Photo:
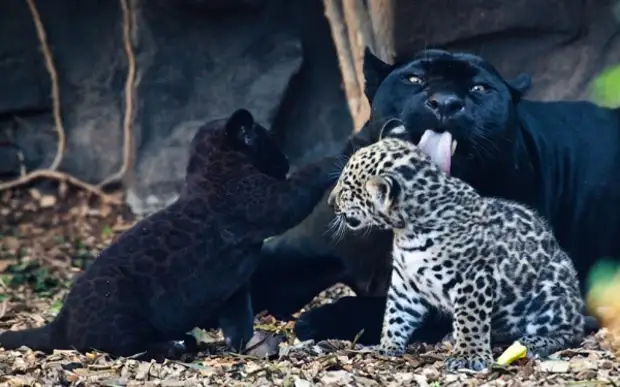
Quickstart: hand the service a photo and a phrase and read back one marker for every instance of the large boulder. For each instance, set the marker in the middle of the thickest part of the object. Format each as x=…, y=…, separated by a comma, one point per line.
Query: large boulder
x=564, y=44
x=195, y=60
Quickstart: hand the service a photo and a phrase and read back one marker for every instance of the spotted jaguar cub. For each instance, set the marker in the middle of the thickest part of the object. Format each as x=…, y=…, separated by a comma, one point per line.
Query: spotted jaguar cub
x=492, y=264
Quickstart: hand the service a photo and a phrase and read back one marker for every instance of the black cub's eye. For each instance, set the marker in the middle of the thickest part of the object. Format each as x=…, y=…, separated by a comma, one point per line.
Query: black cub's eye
x=414, y=79
x=478, y=88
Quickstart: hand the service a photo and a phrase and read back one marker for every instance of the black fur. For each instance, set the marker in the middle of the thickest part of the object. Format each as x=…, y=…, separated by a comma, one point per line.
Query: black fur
x=254, y=141
x=190, y=264
x=561, y=157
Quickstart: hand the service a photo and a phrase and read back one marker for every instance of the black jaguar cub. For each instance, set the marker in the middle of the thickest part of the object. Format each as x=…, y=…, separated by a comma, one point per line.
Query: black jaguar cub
x=189, y=264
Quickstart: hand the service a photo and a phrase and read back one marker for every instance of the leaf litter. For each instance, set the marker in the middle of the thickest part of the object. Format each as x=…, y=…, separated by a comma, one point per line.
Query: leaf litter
x=43, y=246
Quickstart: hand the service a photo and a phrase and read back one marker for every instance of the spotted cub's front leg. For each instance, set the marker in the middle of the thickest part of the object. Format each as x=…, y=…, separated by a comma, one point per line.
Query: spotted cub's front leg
x=473, y=305
x=404, y=313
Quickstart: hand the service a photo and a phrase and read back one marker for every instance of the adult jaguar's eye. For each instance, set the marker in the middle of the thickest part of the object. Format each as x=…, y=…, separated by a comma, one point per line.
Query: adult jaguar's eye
x=414, y=79
x=478, y=88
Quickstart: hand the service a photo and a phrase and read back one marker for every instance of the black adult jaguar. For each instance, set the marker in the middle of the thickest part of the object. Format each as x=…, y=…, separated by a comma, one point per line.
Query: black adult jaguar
x=560, y=157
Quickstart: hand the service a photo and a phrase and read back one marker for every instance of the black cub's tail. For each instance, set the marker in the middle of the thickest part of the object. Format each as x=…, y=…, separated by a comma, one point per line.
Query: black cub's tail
x=43, y=339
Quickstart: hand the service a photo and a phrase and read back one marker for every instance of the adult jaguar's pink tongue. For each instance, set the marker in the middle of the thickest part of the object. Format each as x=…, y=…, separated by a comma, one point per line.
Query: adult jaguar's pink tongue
x=439, y=147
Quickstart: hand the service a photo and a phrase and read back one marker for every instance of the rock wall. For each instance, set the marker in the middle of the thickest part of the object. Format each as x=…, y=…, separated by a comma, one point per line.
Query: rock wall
x=563, y=44
x=194, y=60
x=197, y=60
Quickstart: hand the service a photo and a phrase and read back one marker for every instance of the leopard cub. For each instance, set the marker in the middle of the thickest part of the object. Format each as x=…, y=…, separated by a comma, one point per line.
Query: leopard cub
x=492, y=264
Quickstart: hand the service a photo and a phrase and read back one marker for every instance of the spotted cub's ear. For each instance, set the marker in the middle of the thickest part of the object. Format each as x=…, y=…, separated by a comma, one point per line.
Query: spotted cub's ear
x=383, y=190
x=239, y=127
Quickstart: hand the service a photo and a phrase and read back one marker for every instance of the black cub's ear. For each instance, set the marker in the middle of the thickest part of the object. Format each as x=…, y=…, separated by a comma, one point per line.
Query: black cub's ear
x=375, y=71
x=383, y=190
x=239, y=126
x=520, y=85
x=394, y=128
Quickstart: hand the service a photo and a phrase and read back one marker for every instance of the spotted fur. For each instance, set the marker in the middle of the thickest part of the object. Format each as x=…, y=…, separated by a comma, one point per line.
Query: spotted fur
x=494, y=265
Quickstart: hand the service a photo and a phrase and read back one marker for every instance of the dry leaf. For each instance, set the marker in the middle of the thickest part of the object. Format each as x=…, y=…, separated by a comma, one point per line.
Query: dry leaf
x=50, y=238
x=554, y=366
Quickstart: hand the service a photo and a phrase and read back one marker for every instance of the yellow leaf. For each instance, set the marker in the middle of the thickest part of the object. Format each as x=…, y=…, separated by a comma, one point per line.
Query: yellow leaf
x=515, y=352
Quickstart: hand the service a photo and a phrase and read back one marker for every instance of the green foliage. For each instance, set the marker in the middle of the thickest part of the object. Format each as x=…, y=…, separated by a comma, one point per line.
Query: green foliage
x=34, y=275
x=606, y=87
x=107, y=231
x=82, y=257
x=55, y=307
x=602, y=274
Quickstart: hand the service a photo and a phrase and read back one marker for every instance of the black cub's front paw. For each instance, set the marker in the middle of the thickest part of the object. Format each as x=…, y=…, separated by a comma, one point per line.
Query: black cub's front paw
x=472, y=361
x=170, y=350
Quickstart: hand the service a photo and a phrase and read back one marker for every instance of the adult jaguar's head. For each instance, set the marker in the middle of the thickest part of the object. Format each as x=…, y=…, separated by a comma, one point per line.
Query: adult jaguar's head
x=456, y=105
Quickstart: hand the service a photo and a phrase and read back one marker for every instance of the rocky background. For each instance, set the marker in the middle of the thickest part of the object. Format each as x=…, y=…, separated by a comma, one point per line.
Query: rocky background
x=295, y=64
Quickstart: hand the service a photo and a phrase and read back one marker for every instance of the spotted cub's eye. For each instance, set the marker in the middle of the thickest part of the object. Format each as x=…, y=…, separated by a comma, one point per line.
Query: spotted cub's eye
x=414, y=79
x=478, y=88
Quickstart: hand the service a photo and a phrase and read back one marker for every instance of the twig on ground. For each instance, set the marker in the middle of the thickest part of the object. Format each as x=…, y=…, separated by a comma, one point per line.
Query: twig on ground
x=129, y=96
x=60, y=176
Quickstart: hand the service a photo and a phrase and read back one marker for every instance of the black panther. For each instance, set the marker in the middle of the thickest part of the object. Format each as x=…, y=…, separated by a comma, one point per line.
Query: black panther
x=561, y=158
x=189, y=264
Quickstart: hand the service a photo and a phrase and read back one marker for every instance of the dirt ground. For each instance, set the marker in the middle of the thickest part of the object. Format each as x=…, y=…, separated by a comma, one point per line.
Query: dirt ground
x=46, y=239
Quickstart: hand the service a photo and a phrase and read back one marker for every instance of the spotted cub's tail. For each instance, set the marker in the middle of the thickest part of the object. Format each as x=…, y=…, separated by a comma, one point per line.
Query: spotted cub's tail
x=43, y=339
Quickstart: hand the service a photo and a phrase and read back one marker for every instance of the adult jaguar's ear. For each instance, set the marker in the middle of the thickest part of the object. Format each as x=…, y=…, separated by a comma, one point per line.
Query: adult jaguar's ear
x=239, y=127
x=393, y=128
x=375, y=71
x=519, y=85
x=383, y=191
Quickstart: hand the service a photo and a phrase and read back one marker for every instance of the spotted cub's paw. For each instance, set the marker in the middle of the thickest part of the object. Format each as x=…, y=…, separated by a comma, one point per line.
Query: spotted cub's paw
x=389, y=350
x=476, y=362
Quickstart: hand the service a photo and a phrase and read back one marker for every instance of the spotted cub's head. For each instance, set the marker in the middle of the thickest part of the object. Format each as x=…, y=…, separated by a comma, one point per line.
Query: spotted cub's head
x=392, y=183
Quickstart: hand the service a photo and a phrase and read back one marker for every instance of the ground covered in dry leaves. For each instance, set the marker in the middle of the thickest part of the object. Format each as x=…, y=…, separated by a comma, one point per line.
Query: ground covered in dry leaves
x=45, y=239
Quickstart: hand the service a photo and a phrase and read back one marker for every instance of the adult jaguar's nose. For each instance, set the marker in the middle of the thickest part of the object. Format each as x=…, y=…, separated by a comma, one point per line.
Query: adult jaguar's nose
x=445, y=105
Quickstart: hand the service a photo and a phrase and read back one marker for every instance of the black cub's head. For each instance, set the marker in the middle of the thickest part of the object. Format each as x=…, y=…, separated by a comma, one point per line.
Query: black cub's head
x=455, y=106
x=252, y=139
